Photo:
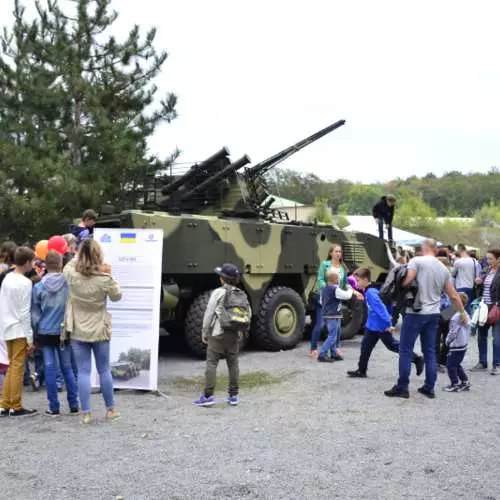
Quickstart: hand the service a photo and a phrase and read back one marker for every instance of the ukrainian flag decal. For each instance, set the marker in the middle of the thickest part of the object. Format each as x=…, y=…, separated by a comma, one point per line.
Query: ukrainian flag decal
x=127, y=237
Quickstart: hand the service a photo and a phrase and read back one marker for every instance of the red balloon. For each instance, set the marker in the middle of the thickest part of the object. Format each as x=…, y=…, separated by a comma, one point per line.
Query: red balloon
x=58, y=244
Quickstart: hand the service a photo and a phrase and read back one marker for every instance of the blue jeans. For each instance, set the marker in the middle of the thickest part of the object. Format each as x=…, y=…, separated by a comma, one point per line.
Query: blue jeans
x=83, y=355
x=55, y=359
x=482, y=343
x=470, y=294
x=454, y=365
x=426, y=326
x=319, y=322
x=368, y=343
x=330, y=343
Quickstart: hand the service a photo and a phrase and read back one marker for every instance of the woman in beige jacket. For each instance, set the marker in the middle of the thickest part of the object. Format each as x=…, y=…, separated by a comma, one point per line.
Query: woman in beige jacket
x=88, y=323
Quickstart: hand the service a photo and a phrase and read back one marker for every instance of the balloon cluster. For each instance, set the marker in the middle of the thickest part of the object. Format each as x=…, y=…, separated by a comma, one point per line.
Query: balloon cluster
x=56, y=243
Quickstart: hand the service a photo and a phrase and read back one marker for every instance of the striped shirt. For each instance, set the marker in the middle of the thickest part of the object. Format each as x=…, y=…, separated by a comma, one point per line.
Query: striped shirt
x=487, y=288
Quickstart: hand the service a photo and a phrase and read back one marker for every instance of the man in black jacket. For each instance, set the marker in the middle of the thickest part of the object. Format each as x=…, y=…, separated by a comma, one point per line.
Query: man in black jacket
x=383, y=211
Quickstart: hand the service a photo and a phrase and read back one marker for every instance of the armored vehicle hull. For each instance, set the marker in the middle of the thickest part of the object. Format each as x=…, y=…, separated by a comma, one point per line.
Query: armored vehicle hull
x=279, y=262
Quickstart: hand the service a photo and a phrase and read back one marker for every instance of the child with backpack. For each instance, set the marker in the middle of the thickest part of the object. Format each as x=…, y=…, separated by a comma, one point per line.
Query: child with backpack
x=332, y=297
x=227, y=317
x=378, y=327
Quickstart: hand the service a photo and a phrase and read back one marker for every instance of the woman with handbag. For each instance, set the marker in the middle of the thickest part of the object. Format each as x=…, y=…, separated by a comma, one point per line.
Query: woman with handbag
x=491, y=297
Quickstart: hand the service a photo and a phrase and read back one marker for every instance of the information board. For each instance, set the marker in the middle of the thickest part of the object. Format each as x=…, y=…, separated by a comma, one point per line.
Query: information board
x=135, y=257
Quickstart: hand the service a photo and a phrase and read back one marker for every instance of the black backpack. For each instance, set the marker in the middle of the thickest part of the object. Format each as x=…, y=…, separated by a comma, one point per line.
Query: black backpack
x=236, y=314
x=393, y=292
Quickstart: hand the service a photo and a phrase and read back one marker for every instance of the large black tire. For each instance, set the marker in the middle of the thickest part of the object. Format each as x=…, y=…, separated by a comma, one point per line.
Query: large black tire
x=354, y=318
x=280, y=319
x=194, y=322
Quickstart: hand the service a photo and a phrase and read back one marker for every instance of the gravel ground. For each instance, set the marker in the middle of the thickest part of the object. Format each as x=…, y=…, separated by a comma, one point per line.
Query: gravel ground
x=316, y=435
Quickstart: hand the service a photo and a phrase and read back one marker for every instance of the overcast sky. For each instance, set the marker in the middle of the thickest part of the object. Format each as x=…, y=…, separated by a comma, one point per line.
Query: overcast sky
x=417, y=82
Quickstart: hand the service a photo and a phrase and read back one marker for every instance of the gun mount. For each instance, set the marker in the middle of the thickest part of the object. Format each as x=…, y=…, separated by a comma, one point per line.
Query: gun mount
x=218, y=187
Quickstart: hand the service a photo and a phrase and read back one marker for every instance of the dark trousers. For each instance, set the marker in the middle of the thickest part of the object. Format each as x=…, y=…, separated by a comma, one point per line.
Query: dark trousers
x=381, y=229
x=454, y=365
x=368, y=343
x=226, y=346
x=470, y=295
x=441, y=347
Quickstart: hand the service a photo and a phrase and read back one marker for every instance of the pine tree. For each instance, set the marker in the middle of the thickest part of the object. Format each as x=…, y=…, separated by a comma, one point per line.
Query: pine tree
x=82, y=103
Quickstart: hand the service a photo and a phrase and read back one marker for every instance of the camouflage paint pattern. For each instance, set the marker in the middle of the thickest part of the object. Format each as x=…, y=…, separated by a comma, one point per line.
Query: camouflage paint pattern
x=267, y=253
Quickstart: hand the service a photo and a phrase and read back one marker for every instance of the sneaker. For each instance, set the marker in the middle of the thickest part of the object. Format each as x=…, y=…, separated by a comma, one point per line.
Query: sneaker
x=51, y=413
x=23, y=412
x=419, y=365
x=396, y=392
x=494, y=370
x=425, y=392
x=464, y=386
x=356, y=374
x=112, y=415
x=480, y=367
x=324, y=359
x=314, y=354
x=233, y=400
x=87, y=418
x=4, y=412
x=74, y=411
x=452, y=388
x=204, y=401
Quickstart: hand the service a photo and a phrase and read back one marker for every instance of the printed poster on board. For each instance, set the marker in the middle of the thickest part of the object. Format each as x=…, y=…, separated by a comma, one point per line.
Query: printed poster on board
x=135, y=256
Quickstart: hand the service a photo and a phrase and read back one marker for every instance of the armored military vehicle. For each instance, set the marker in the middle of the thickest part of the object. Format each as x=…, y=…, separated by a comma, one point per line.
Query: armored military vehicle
x=220, y=211
x=124, y=370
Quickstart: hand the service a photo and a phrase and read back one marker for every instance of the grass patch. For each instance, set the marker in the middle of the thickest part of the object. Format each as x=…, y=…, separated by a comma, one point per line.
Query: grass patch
x=248, y=380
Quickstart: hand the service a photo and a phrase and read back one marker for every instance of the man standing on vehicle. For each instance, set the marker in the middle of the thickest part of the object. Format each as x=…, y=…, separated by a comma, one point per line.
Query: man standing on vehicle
x=433, y=278
x=383, y=212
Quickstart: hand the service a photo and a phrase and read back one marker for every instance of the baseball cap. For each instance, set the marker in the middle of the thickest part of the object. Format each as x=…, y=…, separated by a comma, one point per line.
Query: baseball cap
x=228, y=270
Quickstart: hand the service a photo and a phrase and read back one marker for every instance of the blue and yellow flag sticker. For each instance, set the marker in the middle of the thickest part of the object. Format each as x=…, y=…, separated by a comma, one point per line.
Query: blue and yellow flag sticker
x=127, y=237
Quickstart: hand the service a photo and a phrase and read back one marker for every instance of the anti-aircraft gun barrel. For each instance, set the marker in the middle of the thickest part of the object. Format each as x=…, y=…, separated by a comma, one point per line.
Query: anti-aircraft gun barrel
x=176, y=184
x=225, y=172
x=262, y=167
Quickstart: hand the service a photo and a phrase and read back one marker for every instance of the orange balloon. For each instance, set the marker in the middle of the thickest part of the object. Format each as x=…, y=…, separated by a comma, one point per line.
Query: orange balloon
x=42, y=249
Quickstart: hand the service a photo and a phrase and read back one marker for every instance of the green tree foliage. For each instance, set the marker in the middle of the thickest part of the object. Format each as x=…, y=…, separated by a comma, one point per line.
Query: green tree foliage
x=76, y=110
x=452, y=195
x=413, y=211
x=361, y=198
x=322, y=212
x=488, y=215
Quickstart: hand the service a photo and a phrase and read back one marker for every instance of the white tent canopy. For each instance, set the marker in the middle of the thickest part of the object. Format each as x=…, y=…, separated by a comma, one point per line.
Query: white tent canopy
x=367, y=224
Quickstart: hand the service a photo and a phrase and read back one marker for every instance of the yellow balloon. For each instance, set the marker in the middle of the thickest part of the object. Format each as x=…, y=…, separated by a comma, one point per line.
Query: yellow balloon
x=42, y=249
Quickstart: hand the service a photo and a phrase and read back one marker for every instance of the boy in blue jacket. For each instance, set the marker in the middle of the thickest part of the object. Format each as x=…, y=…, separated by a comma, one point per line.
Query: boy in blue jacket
x=48, y=305
x=378, y=327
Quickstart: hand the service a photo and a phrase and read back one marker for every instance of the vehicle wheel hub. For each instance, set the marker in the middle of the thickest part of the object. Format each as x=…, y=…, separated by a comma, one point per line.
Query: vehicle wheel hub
x=285, y=319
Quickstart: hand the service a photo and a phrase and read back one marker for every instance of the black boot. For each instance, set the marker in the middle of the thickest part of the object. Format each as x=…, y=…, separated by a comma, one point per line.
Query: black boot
x=396, y=392
x=356, y=374
x=419, y=364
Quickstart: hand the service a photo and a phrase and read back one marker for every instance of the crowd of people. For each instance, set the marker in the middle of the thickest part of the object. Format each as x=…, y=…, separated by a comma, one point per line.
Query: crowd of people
x=53, y=310
x=450, y=285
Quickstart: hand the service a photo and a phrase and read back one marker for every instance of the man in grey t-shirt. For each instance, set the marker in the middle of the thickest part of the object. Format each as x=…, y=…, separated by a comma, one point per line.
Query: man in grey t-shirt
x=466, y=271
x=433, y=278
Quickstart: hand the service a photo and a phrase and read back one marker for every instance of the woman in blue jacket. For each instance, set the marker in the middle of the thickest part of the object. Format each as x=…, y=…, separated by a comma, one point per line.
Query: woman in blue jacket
x=378, y=327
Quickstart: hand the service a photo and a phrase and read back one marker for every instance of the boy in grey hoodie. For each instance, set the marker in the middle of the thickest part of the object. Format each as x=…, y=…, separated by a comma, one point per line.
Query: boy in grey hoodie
x=457, y=341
